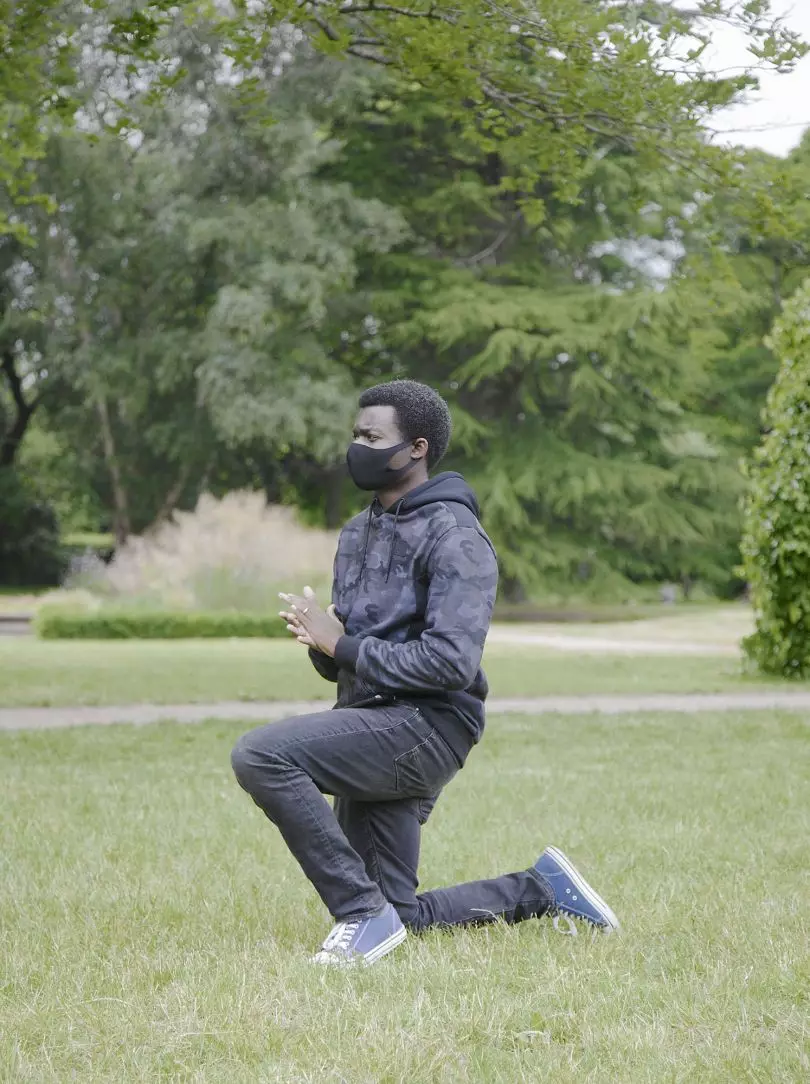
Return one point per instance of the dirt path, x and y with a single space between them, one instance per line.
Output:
140 714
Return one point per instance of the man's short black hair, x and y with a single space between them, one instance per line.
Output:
420 410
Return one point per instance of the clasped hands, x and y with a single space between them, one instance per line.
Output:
310 624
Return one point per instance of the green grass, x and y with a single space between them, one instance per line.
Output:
73 673
153 928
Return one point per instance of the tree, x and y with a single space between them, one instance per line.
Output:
170 309
243 255
574 355
776 542
750 250
552 81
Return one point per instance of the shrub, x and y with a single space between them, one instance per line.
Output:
56 623
234 553
776 540
30 554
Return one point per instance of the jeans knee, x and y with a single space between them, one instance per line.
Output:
241 760
253 759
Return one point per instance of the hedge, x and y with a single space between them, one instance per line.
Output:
58 624
776 538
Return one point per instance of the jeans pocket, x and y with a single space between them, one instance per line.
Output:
422 771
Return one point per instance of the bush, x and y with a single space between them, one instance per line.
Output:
56 623
776 540
30 554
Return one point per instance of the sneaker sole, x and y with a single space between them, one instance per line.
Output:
586 890
385 947
377 953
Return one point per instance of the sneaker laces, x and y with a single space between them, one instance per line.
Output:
572 930
341 936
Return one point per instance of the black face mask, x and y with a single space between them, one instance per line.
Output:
369 466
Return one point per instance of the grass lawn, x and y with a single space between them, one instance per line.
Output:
725 625
34 672
153 928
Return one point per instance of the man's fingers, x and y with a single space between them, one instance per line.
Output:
308 592
300 614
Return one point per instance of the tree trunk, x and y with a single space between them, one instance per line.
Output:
121 521
172 497
23 412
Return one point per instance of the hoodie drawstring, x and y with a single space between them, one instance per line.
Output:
365 543
393 539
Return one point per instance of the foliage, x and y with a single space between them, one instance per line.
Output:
551 83
574 353
115 623
36 89
167 318
228 260
30 554
593 457
776 544
548 86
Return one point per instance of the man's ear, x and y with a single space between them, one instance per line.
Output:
419 449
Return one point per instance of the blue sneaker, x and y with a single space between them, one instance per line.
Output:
362 940
573 896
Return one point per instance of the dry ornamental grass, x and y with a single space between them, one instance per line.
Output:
233 553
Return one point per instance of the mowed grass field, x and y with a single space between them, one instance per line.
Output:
52 673
153 928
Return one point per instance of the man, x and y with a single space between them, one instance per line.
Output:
414 586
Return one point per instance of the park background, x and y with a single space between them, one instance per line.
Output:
218 223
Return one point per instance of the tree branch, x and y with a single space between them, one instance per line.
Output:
390 9
491 249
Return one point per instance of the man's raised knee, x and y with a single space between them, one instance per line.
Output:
255 752
241 759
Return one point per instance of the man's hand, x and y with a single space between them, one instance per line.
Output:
310 624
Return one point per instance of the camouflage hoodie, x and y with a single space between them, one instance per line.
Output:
414 588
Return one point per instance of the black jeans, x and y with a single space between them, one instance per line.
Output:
385 767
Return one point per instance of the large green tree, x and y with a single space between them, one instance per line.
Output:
574 353
169 309
546 83
202 306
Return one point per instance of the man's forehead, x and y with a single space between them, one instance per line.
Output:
382 418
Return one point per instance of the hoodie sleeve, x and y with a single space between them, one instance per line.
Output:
463 579
326 666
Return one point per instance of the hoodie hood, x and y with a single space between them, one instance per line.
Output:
448 487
